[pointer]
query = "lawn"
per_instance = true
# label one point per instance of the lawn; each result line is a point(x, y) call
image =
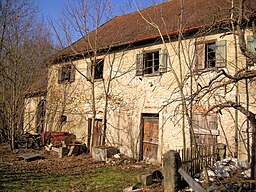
point(76, 173)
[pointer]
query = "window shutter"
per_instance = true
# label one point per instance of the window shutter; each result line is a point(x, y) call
point(72, 74)
point(200, 56)
point(89, 70)
point(139, 64)
point(163, 61)
point(60, 76)
point(251, 46)
point(221, 53)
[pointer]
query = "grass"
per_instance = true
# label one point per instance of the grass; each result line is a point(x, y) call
point(106, 179)
point(76, 173)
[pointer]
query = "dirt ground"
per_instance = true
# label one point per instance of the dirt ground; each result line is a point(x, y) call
point(74, 173)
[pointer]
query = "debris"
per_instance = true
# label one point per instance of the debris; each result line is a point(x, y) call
point(247, 173)
point(30, 157)
point(57, 138)
point(117, 156)
point(101, 153)
point(28, 140)
point(157, 175)
point(145, 178)
point(229, 174)
point(195, 185)
point(134, 188)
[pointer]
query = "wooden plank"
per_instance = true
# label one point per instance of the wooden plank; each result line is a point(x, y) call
point(192, 183)
point(30, 157)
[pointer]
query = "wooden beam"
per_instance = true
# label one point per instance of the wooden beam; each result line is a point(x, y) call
point(192, 183)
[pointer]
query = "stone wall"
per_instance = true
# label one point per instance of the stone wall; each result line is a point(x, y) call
point(131, 96)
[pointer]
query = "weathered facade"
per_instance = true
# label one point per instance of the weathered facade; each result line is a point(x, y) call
point(146, 80)
point(35, 106)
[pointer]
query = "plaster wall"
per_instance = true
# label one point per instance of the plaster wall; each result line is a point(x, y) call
point(130, 96)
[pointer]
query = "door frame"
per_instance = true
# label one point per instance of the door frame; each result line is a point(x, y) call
point(40, 116)
point(91, 135)
point(145, 115)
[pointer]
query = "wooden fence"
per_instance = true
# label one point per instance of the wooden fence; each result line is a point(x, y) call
point(190, 158)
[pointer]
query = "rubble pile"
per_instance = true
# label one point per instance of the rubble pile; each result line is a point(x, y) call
point(230, 174)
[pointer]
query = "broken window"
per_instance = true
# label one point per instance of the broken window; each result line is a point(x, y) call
point(205, 128)
point(98, 69)
point(63, 119)
point(210, 55)
point(151, 63)
point(66, 74)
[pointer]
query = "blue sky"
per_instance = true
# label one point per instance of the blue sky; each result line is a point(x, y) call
point(52, 8)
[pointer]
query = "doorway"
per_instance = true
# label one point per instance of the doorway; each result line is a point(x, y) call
point(40, 117)
point(150, 126)
point(95, 135)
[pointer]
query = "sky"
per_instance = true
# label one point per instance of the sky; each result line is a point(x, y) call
point(53, 8)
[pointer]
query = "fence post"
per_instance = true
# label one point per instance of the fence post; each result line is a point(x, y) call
point(171, 165)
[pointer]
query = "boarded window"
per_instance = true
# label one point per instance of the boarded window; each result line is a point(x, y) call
point(66, 74)
point(205, 128)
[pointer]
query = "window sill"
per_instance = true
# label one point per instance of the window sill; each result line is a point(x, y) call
point(151, 75)
point(65, 82)
point(98, 80)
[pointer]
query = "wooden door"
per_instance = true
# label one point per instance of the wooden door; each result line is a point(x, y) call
point(97, 133)
point(150, 137)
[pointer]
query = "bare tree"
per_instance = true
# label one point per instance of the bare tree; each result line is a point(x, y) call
point(85, 18)
point(24, 44)
point(240, 24)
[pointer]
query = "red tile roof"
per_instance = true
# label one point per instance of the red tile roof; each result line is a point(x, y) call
point(130, 28)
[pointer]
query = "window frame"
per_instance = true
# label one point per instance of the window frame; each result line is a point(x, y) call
point(210, 52)
point(205, 127)
point(89, 70)
point(150, 56)
point(202, 54)
point(66, 74)
point(142, 69)
point(98, 72)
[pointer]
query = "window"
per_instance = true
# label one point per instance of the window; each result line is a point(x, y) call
point(210, 55)
point(205, 128)
point(63, 119)
point(66, 74)
point(151, 63)
point(98, 69)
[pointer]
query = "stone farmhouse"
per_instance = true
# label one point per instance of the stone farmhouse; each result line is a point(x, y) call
point(140, 79)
